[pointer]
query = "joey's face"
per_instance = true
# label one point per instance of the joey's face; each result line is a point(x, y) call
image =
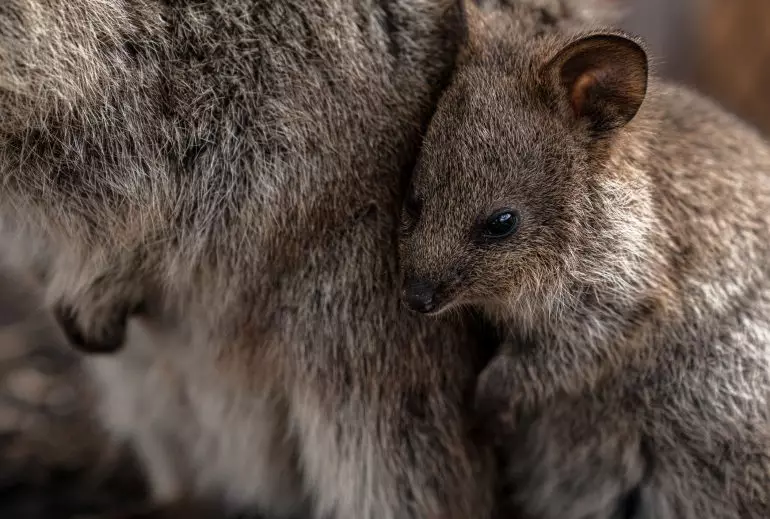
point(501, 204)
point(493, 208)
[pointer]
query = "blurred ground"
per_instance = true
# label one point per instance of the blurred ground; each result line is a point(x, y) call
point(55, 463)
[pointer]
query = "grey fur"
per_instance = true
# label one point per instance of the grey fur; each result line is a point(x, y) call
point(635, 295)
point(233, 169)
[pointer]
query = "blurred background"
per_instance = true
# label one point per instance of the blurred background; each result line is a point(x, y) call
point(720, 47)
point(54, 459)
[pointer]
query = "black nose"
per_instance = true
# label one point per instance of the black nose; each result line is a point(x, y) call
point(420, 296)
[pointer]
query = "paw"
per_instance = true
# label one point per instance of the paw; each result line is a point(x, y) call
point(97, 330)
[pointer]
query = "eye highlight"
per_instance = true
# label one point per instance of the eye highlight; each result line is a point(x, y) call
point(501, 225)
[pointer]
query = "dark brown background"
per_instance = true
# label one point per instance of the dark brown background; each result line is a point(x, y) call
point(721, 47)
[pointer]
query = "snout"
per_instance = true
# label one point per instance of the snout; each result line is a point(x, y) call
point(420, 296)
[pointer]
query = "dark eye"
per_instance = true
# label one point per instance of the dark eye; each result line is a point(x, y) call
point(501, 225)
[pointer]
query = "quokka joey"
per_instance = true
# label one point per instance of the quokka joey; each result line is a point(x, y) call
point(617, 229)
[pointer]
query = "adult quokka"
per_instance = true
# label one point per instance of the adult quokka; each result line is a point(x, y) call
point(210, 192)
point(617, 228)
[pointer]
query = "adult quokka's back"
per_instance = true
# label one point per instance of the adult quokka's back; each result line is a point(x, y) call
point(619, 230)
point(230, 172)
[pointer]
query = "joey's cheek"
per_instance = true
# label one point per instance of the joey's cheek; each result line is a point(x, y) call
point(487, 283)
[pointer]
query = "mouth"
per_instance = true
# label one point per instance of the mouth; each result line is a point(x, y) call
point(430, 311)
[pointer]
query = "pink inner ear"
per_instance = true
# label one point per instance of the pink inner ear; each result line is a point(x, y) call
point(580, 88)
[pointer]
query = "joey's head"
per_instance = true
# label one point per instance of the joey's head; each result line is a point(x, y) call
point(511, 191)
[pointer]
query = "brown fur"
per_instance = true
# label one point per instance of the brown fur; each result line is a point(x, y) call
point(232, 170)
point(635, 293)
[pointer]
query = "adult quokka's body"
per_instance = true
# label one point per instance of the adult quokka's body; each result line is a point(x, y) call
point(229, 173)
point(619, 232)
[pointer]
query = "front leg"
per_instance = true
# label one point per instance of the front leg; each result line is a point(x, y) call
point(93, 314)
point(580, 458)
point(574, 455)
point(97, 329)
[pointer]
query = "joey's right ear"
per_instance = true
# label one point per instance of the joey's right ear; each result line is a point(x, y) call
point(603, 76)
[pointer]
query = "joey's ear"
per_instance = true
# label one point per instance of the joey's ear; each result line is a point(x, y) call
point(604, 77)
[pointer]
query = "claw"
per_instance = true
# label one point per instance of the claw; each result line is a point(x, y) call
point(108, 339)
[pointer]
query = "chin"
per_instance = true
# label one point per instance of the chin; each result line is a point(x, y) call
point(447, 308)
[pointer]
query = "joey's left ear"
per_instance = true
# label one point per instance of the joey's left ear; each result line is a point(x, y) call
point(604, 77)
